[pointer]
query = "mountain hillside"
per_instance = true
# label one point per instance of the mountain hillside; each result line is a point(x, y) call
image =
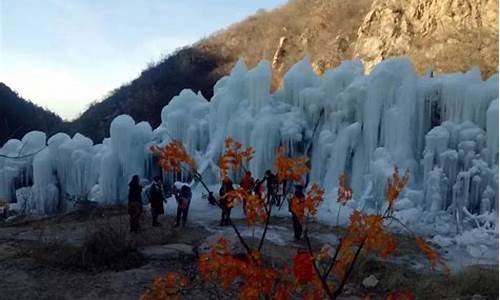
point(446, 35)
point(442, 35)
point(144, 97)
point(19, 116)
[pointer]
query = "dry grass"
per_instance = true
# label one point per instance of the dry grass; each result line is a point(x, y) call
point(107, 246)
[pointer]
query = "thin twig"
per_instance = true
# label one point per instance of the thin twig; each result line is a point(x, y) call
point(326, 288)
point(242, 240)
point(334, 259)
point(351, 267)
point(338, 216)
point(261, 243)
point(401, 223)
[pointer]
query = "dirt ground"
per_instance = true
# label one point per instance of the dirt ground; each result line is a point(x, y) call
point(43, 259)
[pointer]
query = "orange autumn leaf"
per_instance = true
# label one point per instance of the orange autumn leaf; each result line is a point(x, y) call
point(233, 157)
point(292, 169)
point(344, 258)
point(313, 198)
point(344, 193)
point(297, 205)
point(395, 185)
point(220, 266)
point(217, 265)
point(402, 295)
point(369, 228)
point(303, 267)
point(233, 197)
point(173, 156)
point(431, 255)
point(166, 288)
point(427, 250)
point(301, 207)
point(324, 253)
point(255, 209)
point(282, 291)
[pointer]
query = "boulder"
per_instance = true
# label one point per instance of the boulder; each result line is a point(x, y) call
point(370, 281)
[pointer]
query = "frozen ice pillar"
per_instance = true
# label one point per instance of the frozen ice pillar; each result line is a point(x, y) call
point(259, 84)
point(492, 132)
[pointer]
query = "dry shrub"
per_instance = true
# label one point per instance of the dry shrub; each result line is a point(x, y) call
point(109, 247)
point(106, 246)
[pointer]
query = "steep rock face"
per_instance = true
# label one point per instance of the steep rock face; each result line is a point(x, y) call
point(443, 35)
point(325, 30)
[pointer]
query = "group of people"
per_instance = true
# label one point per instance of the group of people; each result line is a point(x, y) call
point(156, 197)
point(252, 186)
point(182, 194)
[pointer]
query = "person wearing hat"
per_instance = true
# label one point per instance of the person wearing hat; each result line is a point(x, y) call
point(297, 196)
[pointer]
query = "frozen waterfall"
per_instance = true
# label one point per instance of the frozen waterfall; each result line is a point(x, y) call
point(443, 129)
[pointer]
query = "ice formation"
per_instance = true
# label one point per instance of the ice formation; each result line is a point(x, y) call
point(443, 129)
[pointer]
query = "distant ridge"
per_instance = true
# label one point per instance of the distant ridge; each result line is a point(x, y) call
point(19, 116)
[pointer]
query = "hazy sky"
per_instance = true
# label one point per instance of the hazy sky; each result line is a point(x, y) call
point(64, 54)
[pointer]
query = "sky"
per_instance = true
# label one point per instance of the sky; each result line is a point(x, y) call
point(65, 54)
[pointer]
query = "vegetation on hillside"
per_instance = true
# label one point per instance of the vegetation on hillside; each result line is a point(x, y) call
point(19, 116)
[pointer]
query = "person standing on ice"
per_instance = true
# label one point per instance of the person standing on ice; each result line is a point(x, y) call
point(156, 199)
point(227, 186)
point(183, 198)
point(257, 190)
point(134, 203)
point(298, 196)
point(247, 184)
point(272, 187)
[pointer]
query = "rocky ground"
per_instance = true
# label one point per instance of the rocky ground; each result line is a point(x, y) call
point(92, 256)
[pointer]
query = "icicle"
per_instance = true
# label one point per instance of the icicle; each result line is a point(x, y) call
point(259, 85)
point(492, 132)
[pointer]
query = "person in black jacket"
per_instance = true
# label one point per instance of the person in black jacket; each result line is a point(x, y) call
point(183, 198)
point(272, 187)
point(227, 186)
point(134, 203)
point(156, 197)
